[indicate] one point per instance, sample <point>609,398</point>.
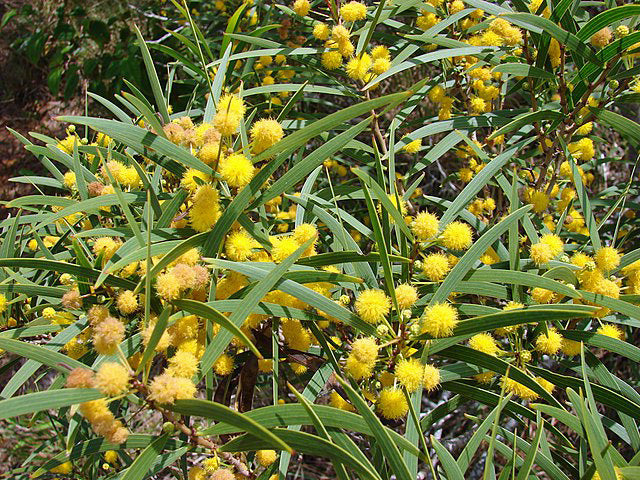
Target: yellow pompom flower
<point>266,457</point>
<point>358,370</point>
<point>127,302</point>
<point>570,348</point>
<point>183,364</point>
<point>282,247</point>
<point>541,253</point>
<point>339,34</point>
<point>457,236</point>
<point>425,226</point>
<point>607,258</point>
<point>365,350</point>
<point>373,305</point>
<point>166,388</point>
<point>439,320</point>
<point>381,65</point>
<point>332,60</point>
<point>206,208</point>
<point>223,365</point>
<point>237,170</point>
<point>410,374</point>
<point>229,115</point>
<point>485,343</point>
<point>265,133</point>
<point>301,7</point>
<point>358,67</point>
<point>3,303</point>
<point>239,246</point>
<point>168,286</point>
<point>192,179</point>
<point>406,295</point>
<point>321,31</point>
<point>611,330</point>
<point>107,335</point>
<point>392,403</point>
<point>554,242</point>
<point>436,266</point>
<point>549,343</point>
<point>542,295</point>
<point>353,11</point>
<point>413,146</point>
<point>111,379</point>
<point>430,377</point>
<point>522,391</point>
<point>601,38</point>
<point>64,468</point>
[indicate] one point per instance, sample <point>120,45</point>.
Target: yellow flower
<point>406,295</point>
<point>107,335</point>
<point>353,11</point>
<point>192,179</point>
<point>237,170</point>
<point>425,226</point>
<point>358,67</point>
<point>301,7</point>
<point>607,258</point>
<point>206,209</point>
<point>611,330</point>
<point>229,115</point>
<point>439,320</point>
<point>266,457</point>
<point>601,38</point>
<point>265,133</point>
<point>373,305</point>
<point>549,343</point>
<point>223,365</point>
<point>111,379</point>
<point>166,388</point>
<point>283,247</point>
<point>485,343</point>
<point>239,246</point>
<point>430,378</point>
<point>321,31</point>
<point>436,266</point>
<point>413,146</point>
<point>127,302</point>
<point>331,60</point>
<point>410,374</point>
<point>392,403</point>
<point>541,253</point>
<point>457,236</point>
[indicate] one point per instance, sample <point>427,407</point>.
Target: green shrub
<point>364,222</point>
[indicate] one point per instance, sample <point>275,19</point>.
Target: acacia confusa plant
<point>378,241</point>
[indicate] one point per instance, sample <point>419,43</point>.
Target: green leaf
<point>392,453</point>
<point>523,70</point>
<point>447,461</point>
<point>609,16</point>
<point>140,467</point>
<point>50,399</point>
<point>222,413</point>
<point>161,103</point>
<point>206,311</point>
<point>264,286</point>
<point>537,23</point>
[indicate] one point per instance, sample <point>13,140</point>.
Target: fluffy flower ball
<point>373,305</point>
<point>265,133</point>
<point>410,374</point>
<point>425,226</point>
<point>436,266</point>
<point>353,11</point>
<point>406,295</point>
<point>457,236</point>
<point>111,379</point>
<point>549,343</point>
<point>392,403</point>
<point>237,170</point>
<point>439,320</point>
